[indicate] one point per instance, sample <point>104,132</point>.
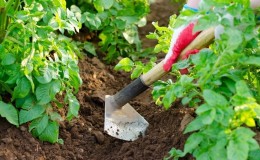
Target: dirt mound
<point>84,137</point>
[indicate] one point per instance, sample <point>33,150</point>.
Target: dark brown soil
<point>84,137</point>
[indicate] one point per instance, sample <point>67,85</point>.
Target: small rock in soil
<point>129,153</point>
<point>7,154</point>
<point>32,141</point>
<point>98,63</point>
<point>185,121</point>
<point>128,158</point>
<point>80,150</point>
<point>7,140</point>
<point>79,157</point>
<point>125,147</point>
<point>22,128</point>
<point>99,136</point>
<point>40,158</point>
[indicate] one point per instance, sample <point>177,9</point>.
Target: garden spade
<point>121,119</point>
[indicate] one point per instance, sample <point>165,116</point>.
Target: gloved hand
<point>181,38</point>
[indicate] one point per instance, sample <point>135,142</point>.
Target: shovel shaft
<point>129,92</point>
<point>142,83</point>
<point>154,74</point>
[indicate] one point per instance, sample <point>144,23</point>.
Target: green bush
<point>38,65</point>
<point>116,22</point>
<point>223,83</point>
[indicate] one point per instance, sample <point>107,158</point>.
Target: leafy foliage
<point>38,65</point>
<point>163,36</point>
<point>6,8</point>
<point>137,68</point>
<point>116,22</point>
<point>222,84</point>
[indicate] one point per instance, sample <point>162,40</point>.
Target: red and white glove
<point>181,38</point>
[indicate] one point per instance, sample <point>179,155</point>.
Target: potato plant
<point>38,65</point>
<point>223,83</point>
<point>116,24</point>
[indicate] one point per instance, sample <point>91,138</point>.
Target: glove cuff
<point>186,7</point>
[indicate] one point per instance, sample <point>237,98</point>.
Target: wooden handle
<point>201,41</point>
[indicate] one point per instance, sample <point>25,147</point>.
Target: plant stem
<point>12,39</point>
<point>4,19</point>
<point>207,76</point>
<point>2,23</point>
<point>6,87</point>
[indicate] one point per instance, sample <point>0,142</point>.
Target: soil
<point>84,137</point>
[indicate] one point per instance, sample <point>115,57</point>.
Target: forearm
<point>195,3</point>
<point>254,3</point>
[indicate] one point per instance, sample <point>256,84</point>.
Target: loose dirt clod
<point>7,140</point>
<point>99,136</point>
<point>98,63</point>
<point>185,121</point>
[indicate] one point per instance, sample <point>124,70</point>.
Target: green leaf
<point>46,92</point>
<point>203,57</point>
<point>237,150</point>
<point>75,79</point>
<point>2,3</point>
<point>100,5</point>
<point>251,60</point>
<point>192,142</point>
<point>73,106</point>
<point>89,47</point>
<point>13,73</point>
<point>120,24</point>
<point>54,116</point>
<point>126,64</point>
<point>218,151</point>
<point>9,112</point>
<point>208,117</point>
<point>159,91</point>
<point>28,2</point>
<point>8,59</point>
<point>186,80</point>
<point>243,133</point>
<point>203,108</point>
<point>238,147</point>
<point>45,75</point>
<point>242,89</point>
<point>235,38</point>
<point>178,90</point>
<point>22,89</point>
<point>229,83</point>
<point>175,153</point>
<point>169,97</point>
<point>51,132</point>
<point>194,125</point>
<point>214,99</point>
<point>253,144</point>
<point>130,35</point>
<point>27,102</point>
<point>31,114</point>
<point>60,3</point>
<point>206,21</point>
<point>39,125</point>
<point>137,72</point>
<point>92,21</point>
<point>254,155</point>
